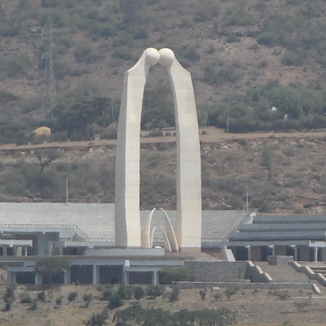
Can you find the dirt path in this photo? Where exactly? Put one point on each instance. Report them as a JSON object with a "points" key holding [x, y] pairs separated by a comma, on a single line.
{"points": [[208, 135]]}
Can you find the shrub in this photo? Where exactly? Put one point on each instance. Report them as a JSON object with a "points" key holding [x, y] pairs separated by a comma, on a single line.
{"points": [[26, 299], [41, 296], [98, 319], [139, 292], [9, 296], [174, 295], [58, 301], [172, 274], [125, 291], [34, 305], [115, 301], [88, 299], [229, 292], [154, 291], [241, 18], [292, 59], [202, 294], [213, 75], [72, 296], [84, 53]]}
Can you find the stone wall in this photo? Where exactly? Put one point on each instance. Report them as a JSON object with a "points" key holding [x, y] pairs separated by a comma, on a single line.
{"points": [[242, 285], [214, 271]]}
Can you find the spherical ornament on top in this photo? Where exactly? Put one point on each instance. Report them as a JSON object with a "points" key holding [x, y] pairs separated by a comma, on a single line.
{"points": [[152, 56], [166, 57]]}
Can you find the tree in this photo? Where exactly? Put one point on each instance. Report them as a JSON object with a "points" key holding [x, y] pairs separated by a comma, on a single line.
{"points": [[72, 296], [46, 157], [9, 296], [50, 267], [87, 298], [98, 319]]}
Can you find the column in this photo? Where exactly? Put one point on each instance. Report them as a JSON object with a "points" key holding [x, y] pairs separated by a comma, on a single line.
{"points": [[4, 250], [155, 278], [323, 254], [125, 279], [38, 279], [96, 274], [11, 276], [295, 253], [249, 252], [66, 276], [315, 253]]}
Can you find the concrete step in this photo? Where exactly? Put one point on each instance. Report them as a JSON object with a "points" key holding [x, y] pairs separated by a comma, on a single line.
{"points": [[283, 273]]}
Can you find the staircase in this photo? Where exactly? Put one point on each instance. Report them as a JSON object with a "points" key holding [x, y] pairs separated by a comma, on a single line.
{"points": [[283, 273]]}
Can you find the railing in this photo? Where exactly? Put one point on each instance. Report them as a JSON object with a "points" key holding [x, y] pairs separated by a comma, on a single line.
{"points": [[244, 220], [81, 235], [90, 239]]}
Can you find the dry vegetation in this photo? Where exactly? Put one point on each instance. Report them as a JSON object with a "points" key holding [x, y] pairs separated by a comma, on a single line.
{"points": [[252, 307], [282, 173]]}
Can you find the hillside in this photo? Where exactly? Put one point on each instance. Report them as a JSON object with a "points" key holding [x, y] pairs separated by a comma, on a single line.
{"points": [[281, 173], [232, 49], [250, 307]]}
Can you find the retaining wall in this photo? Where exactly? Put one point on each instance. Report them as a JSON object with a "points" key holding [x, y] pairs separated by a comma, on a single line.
{"points": [[241, 285]]}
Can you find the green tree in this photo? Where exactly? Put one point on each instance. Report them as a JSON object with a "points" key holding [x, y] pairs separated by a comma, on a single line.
{"points": [[46, 157], [98, 319], [50, 267], [9, 296], [72, 296], [154, 291], [88, 298]]}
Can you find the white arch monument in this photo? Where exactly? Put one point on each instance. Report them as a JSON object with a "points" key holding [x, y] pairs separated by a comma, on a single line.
{"points": [[127, 183]]}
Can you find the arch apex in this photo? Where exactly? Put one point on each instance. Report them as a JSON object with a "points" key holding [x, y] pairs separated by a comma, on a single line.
{"points": [[152, 56], [166, 57]]}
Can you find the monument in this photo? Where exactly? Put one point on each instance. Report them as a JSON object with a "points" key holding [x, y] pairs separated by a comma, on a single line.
{"points": [[127, 183]]}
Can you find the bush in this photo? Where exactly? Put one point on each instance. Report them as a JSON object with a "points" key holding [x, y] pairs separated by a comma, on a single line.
{"points": [[41, 296], [125, 291], [173, 274], [98, 319], [9, 296], [292, 59], [26, 299], [115, 301], [34, 305], [154, 291], [139, 292], [72, 296], [212, 75], [88, 298], [229, 292], [174, 295], [84, 53], [58, 301]]}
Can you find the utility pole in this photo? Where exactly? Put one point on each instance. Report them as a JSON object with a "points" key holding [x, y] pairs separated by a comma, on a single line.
{"points": [[46, 64], [247, 199], [67, 188]]}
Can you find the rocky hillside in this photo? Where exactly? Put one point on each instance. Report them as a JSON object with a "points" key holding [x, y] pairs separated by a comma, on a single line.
{"points": [[231, 48]]}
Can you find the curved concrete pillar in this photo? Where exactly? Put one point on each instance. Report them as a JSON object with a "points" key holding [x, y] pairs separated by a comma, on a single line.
{"points": [[170, 232], [127, 219], [167, 245], [189, 219], [146, 241]]}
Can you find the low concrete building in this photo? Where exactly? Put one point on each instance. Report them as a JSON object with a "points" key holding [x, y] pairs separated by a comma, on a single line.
{"points": [[84, 234], [302, 237]]}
